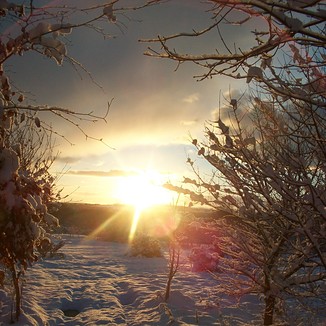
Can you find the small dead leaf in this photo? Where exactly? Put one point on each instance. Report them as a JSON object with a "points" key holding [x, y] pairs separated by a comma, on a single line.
{"points": [[201, 151], [37, 122]]}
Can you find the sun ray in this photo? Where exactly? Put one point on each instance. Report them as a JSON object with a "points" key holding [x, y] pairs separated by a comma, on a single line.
{"points": [[102, 227], [134, 224]]}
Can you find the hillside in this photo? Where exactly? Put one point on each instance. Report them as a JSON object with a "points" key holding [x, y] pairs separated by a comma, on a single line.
{"points": [[113, 222]]}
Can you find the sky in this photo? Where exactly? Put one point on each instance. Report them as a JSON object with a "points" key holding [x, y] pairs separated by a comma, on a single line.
{"points": [[155, 108]]}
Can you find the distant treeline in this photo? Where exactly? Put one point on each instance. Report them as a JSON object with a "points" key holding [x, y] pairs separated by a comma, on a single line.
{"points": [[113, 222]]}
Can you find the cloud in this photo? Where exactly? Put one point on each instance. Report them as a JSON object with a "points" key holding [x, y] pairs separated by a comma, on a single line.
{"points": [[93, 173], [243, 113], [68, 159], [225, 111], [191, 98]]}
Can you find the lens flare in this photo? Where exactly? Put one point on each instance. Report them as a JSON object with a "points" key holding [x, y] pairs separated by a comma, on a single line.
{"points": [[134, 224]]}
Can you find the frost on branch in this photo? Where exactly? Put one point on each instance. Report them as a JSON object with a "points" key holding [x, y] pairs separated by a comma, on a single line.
{"points": [[52, 47]]}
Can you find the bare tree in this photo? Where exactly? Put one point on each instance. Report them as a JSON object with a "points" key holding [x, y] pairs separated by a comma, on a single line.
{"points": [[174, 264], [267, 153], [283, 25]]}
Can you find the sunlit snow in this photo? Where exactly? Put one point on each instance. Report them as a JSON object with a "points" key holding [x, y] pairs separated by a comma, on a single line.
{"points": [[91, 282]]}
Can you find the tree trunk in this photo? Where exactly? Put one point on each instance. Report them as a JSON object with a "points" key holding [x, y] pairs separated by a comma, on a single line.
{"points": [[173, 267], [171, 274], [269, 309], [167, 289], [15, 281]]}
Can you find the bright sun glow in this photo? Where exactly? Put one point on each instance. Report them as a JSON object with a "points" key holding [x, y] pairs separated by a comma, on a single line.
{"points": [[142, 191]]}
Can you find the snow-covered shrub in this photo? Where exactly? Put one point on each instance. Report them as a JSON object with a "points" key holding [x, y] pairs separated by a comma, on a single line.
{"points": [[204, 258], [25, 192], [145, 246], [201, 237]]}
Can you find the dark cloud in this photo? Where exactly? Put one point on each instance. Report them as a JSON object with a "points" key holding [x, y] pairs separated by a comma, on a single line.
{"points": [[226, 113]]}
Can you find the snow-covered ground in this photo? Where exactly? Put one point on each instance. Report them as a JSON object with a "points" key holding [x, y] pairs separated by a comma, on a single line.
{"points": [[95, 283], [98, 283]]}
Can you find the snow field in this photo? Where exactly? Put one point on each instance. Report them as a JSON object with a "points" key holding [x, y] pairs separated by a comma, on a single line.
{"points": [[92, 282], [96, 283]]}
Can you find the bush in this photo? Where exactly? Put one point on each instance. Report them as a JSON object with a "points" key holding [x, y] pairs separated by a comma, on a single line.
{"points": [[204, 258], [145, 246]]}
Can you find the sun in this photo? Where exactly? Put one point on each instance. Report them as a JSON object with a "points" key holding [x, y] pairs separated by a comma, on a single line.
{"points": [[143, 190]]}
